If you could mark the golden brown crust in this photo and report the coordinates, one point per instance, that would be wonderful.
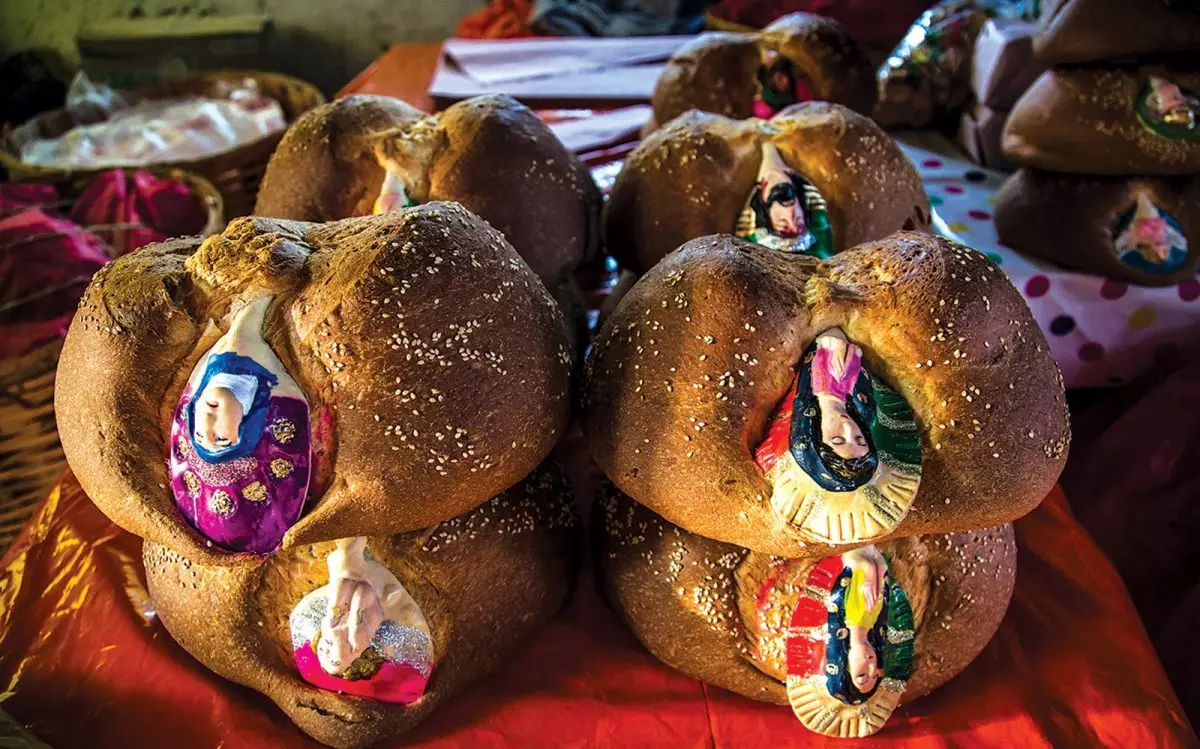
(1085, 120)
(428, 351)
(713, 73)
(484, 582)
(693, 177)
(324, 168)
(504, 164)
(686, 373)
(686, 596)
(1069, 219)
(1073, 31)
(489, 153)
(717, 72)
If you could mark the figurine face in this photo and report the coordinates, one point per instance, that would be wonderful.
(785, 211)
(1168, 110)
(839, 431)
(862, 665)
(1148, 238)
(240, 452)
(218, 418)
(842, 450)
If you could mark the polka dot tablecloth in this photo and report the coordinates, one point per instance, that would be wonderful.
(1102, 332)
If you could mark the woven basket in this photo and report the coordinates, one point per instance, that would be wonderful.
(31, 458)
(236, 173)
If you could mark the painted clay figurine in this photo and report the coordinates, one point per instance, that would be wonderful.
(331, 438)
(240, 448)
(362, 633)
(785, 211)
(799, 57)
(815, 466)
(815, 179)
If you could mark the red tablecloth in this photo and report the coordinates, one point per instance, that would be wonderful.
(85, 663)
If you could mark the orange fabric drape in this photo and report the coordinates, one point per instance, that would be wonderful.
(501, 19)
(85, 663)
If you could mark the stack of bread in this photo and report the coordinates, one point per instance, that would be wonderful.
(333, 436)
(816, 464)
(1108, 141)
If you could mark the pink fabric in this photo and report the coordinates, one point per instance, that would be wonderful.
(163, 208)
(824, 382)
(762, 110)
(399, 684)
(17, 195)
(45, 264)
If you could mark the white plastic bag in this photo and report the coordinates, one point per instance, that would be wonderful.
(158, 131)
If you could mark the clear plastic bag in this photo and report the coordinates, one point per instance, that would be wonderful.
(88, 102)
(159, 131)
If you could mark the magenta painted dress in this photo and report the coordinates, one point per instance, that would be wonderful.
(246, 503)
(825, 382)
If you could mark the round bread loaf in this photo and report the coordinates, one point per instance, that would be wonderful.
(489, 153)
(698, 604)
(1074, 31)
(434, 364)
(724, 72)
(695, 176)
(484, 581)
(324, 167)
(1140, 229)
(687, 373)
(1119, 121)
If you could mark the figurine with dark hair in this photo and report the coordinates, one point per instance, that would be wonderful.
(785, 212)
(842, 449)
(833, 445)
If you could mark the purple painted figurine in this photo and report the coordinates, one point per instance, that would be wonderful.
(241, 450)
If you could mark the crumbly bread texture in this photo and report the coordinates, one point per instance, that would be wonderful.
(694, 602)
(1074, 31)
(718, 72)
(693, 177)
(1084, 120)
(489, 153)
(434, 362)
(685, 375)
(484, 581)
(1069, 219)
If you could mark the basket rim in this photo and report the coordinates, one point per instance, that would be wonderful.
(201, 187)
(21, 171)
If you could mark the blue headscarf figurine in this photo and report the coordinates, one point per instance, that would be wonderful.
(254, 420)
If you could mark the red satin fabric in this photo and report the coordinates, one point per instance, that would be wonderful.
(85, 663)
